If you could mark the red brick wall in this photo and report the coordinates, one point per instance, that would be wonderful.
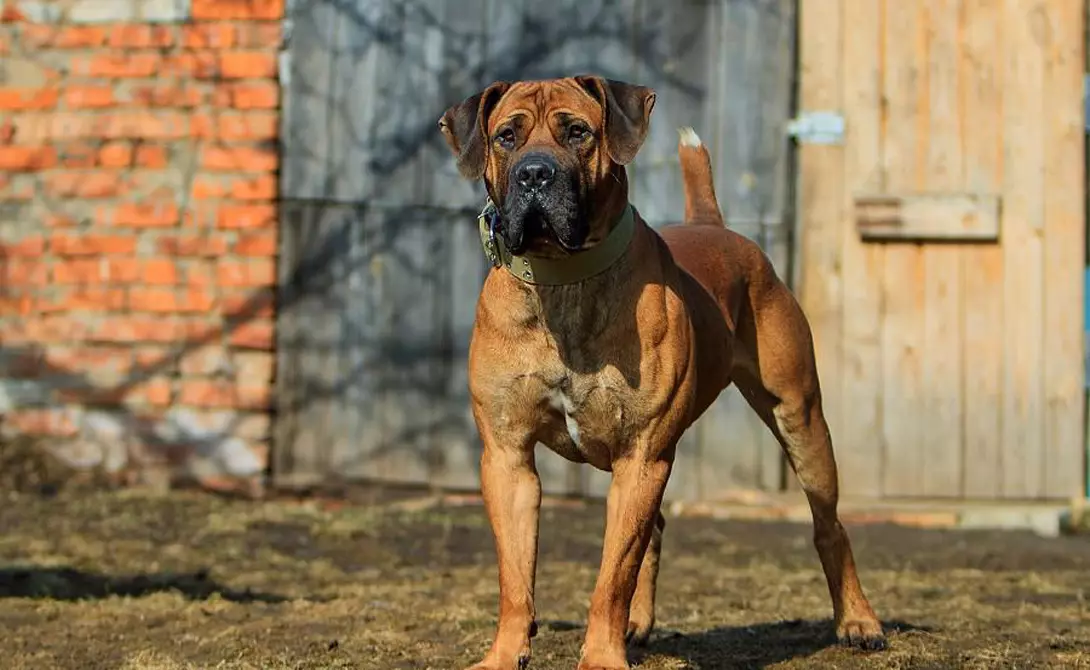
(138, 187)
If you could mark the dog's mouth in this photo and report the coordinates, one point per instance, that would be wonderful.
(542, 224)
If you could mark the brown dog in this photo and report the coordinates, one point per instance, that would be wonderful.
(605, 340)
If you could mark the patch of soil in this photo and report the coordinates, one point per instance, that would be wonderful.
(188, 580)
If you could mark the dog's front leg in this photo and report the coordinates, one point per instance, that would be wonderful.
(512, 496)
(632, 509)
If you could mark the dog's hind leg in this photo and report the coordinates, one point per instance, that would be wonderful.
(786, 395)
(641, 616)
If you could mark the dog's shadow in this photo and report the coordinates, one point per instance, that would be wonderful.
(749, 647)
(756, 646)
(70, 584)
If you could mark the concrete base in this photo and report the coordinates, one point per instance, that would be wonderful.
(1047, 519)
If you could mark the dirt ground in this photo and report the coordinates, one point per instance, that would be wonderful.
(188, 580)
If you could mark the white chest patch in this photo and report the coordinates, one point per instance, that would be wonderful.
(563, 404)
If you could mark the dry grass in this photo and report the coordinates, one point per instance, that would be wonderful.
(133, 581)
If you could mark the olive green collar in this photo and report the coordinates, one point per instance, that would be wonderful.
(556, 271)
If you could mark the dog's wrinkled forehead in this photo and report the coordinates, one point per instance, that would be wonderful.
(536, 101)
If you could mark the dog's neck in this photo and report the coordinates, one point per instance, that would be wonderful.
(581, 313)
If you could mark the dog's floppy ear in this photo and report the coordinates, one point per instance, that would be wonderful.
(465, 128)
(627, 110)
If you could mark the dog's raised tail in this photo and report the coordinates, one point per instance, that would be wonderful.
(701, 206)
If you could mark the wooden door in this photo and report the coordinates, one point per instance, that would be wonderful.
(942, 243)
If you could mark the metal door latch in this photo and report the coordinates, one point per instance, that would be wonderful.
(817, 128)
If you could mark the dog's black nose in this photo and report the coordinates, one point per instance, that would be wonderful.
(535, 174)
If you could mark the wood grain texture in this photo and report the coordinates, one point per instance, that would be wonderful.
(931, 216)
(942, 315)
(1024, 107)
(857, 432)
(982, 360)
(903, 280)
(1060, 35)
(821, 202)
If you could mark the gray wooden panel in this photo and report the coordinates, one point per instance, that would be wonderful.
(751, 79)
(374, 326)
(750, 75)
(367, 82)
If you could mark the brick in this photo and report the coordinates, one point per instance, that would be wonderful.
(119, 65)
(36, 37)
(247, 95)
(30, 246)
(79, 155)
(139, 36)
(253, 335)
(158, 272)
(247, 65)
(238, 159)
(21, 99)
(237, 9)
(88, 97)
(199, 64)
(66, 244)
(14, 189)
(95, 184)
(47, 422)
(60, 220)
(24, 273)
(135, 329)
(153, 125)
(207, 360)
(104, 360)
(247, 304)
(131, 124)
(95, 271)
(208, 36)
(256, 244)
(248, 188)
(192, 245)
(215, 393)
(152, 156)
(252, 273)
(26, 159)
(82, 297)
(170, 300)
(142, 215)
(166, 95)
(254, 367)
(246, 126)
(254, 34)
(28, 364)
(246, 216)
(115, 155)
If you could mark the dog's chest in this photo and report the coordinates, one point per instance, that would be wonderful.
(587, 418)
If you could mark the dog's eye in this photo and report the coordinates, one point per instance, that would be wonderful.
(506, 138)
(577, 133)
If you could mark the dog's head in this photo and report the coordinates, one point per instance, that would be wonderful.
(552, 155)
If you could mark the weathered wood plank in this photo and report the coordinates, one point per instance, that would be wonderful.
(932, 215)
(821, 201)
(903, 279)
(1024, 170)
(857, 431)
(982, 266)
(748, 103)
(1062, 24)
(941, 443)
(670, 56)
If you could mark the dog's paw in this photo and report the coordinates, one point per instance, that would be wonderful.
(862, 634)
(639, 630)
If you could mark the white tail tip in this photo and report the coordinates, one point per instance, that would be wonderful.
(689, 137)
